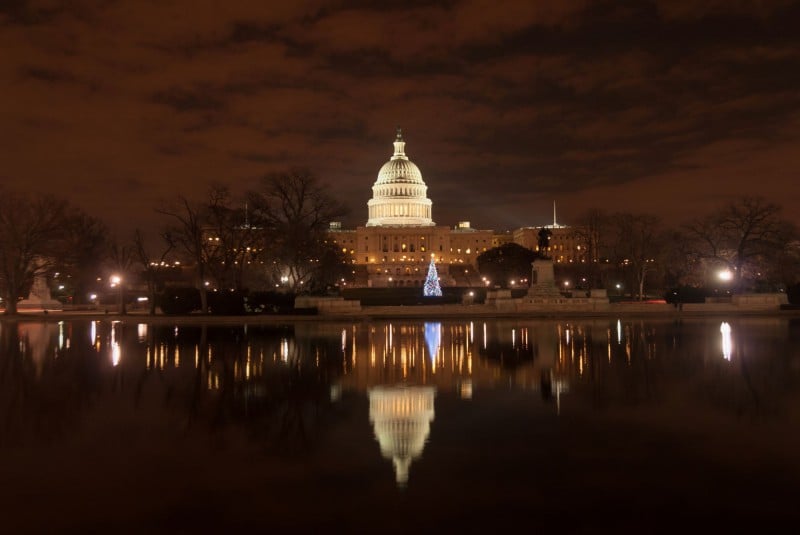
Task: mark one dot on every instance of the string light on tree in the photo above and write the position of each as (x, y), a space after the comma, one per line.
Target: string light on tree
(432, 288)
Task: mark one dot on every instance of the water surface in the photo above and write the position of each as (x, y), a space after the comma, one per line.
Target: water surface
(584, 425)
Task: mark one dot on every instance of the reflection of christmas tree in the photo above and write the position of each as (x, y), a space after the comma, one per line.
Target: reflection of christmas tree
(433, 337)
(432, 288)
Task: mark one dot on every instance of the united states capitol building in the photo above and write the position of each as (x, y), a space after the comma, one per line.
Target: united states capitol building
(395, 246)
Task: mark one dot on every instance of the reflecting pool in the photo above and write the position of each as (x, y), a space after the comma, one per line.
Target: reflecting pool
(579, 425)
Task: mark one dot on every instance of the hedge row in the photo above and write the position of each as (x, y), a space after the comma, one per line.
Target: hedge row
(181, 300)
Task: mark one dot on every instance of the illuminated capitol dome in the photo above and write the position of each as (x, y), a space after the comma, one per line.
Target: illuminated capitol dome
(399, 195)
(400, 238)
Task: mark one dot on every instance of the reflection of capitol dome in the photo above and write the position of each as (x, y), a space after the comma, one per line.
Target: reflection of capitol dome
(399, 195)
(401, 416)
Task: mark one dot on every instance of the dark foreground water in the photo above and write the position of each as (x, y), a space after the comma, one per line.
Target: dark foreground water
(566, 426)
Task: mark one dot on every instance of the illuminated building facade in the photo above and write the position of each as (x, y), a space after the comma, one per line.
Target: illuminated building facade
(565, 245)
(395, 246)
(400, 237)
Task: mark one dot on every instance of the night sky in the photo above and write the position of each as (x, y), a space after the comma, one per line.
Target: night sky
(670, 107)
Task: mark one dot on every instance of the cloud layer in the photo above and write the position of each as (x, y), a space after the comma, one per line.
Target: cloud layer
(668, 107)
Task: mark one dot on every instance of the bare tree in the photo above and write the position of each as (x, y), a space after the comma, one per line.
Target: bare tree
(153, 267)
(592, 233)
(745, 236)
(121, 257)
(188, 234)
(293, 211)
(31, 229)
(235, 240)
(639, 244)
(680, 262)
(82, 253)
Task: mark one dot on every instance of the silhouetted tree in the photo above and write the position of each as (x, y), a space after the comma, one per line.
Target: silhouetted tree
(747, 236)
(592, 233)
(639, 243)
(235, 240)
(32, 227)
(189, 235)
(505, 263)
(121, 258)
(153, 267)
(680, 262)
(292, 212)
(82, 253)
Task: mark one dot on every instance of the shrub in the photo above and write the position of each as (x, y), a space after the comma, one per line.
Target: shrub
(226, 303)
(793, 294)
(268, 303)
(686, 294)
(179, 300)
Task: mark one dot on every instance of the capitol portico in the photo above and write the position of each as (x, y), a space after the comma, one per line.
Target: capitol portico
(395, 246)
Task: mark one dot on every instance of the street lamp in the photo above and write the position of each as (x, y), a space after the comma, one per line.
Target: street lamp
(725, 275)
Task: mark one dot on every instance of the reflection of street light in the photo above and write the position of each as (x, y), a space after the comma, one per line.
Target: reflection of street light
(725, 329)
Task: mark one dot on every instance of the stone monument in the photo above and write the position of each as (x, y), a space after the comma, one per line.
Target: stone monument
(542, 279)
(39, 296)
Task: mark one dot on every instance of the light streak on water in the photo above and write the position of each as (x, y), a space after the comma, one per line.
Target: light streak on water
(725, 329)
(116, 350)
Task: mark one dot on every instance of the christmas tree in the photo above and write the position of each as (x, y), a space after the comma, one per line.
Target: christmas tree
(432, 288)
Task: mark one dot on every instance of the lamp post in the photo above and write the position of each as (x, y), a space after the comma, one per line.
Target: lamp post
(725, 276)
(116, 280)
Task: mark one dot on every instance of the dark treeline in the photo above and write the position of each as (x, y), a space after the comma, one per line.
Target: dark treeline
(275, 239)
(742, 246)
(275, 236)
